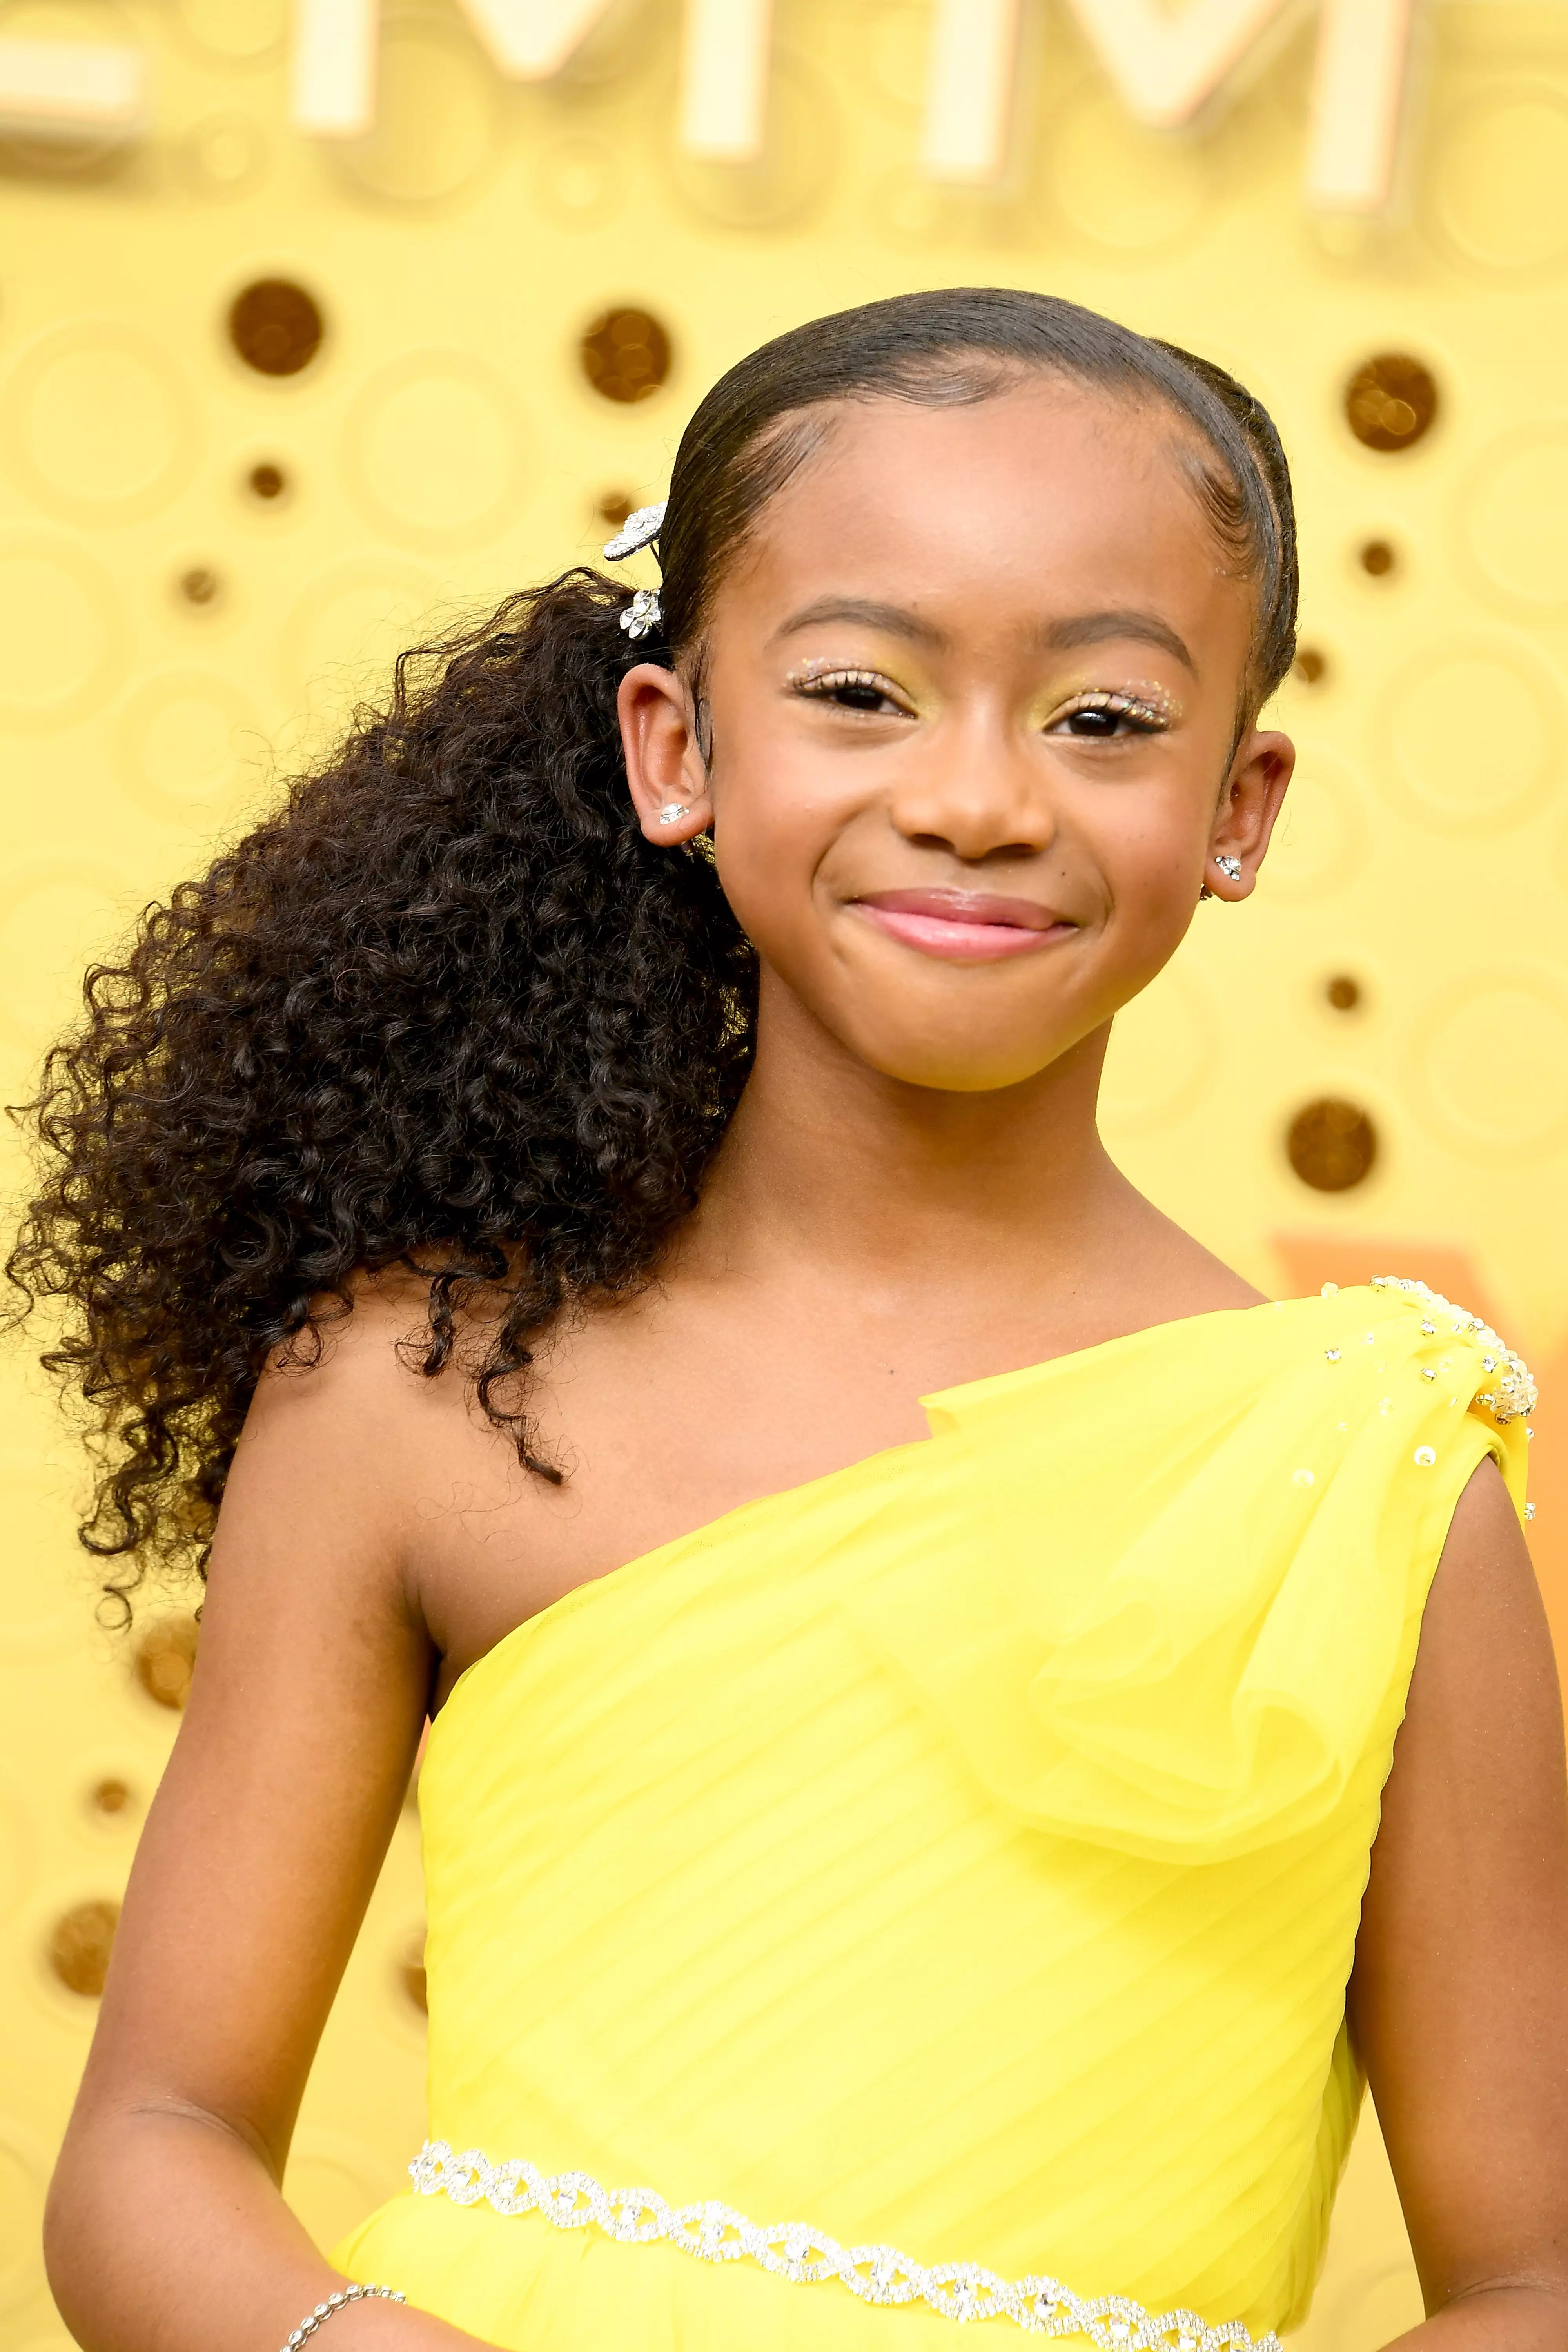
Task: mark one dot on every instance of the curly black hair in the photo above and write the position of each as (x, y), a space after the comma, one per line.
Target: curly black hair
(447, 1010)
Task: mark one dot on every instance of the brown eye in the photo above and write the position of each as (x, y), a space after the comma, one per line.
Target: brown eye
(859, 690)
(1110, 715)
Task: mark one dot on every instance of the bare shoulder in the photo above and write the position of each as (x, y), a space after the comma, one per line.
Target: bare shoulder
(1478, 1762)
(1457, 2002)
(345, 1448)
(374, 1508)
(351, 1390)
(1485, 1620)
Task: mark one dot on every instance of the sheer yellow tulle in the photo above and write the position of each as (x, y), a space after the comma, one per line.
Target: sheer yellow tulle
(961, 1853)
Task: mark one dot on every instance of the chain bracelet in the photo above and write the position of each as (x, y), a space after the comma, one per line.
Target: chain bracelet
(323, 2311)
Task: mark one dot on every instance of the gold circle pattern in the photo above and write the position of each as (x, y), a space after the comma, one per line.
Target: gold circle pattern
(626, 355)
(1438, 742)
(80, 1943)
(98, 423)
(1390, 402)
(438, 129)
(187, 739)
(351, 622)
(1491, 1061)
(1331, 1144)
(276, 326)
(165, 1660)
(433, 449)
(1513, 521)
(61, 634)
(1497, 186)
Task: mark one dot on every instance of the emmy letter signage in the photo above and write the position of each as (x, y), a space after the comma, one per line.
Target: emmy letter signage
(1166, 62)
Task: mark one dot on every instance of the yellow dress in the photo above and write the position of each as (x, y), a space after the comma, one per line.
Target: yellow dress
(930, 1893)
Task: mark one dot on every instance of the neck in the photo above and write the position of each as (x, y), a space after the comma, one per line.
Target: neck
(834, 1174)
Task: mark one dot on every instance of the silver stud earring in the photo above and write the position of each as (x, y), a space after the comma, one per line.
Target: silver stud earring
(672, 812)
(1230, 867)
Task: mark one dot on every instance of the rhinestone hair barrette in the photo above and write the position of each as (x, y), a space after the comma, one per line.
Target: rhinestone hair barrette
(645, 613)
(638, 530)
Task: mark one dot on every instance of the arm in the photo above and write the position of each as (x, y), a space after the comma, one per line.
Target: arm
(1458, 2001)
(166, 2229)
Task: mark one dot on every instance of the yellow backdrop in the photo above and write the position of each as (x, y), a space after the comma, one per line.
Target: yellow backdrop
(213, 531)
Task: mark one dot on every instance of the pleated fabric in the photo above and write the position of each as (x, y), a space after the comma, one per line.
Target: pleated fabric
(961, 1853)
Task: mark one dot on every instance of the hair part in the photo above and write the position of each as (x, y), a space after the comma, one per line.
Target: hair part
(447, 1010)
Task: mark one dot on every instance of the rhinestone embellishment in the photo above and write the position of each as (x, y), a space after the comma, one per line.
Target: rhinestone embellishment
(643, 613)
(1514, 1392)
(638, 530)
(794, 2251)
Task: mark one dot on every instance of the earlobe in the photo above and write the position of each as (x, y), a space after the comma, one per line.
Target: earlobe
(665, 771)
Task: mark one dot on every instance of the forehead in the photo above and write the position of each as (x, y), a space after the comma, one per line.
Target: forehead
(1046, 492)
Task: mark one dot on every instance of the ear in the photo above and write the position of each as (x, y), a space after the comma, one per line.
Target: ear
(1253, 796)
(665, 767)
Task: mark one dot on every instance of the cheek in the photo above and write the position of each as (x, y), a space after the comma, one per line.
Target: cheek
(774, 823)
(1149, 844)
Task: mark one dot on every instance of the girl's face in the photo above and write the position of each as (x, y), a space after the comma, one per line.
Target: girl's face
(971, 695)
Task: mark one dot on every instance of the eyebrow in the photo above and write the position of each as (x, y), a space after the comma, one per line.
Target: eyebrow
(1056, 636)
(1099, 628)
(891, 618)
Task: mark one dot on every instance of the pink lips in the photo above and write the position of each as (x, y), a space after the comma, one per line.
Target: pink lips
(964, 926)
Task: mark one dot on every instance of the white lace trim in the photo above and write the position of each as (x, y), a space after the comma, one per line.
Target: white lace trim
(794, 2250)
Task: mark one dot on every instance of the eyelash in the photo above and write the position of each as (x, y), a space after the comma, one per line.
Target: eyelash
(825, 686)
(1143, 718)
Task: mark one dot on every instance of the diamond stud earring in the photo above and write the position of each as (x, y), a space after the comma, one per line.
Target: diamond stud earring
(1230, 867)
(672, 812)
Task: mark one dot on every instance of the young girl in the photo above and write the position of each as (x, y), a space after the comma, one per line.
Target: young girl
(604, 1189)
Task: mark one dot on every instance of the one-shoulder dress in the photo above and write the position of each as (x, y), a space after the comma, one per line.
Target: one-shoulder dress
(928, 1895)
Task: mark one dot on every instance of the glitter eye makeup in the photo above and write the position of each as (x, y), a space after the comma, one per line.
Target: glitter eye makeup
(850, 688)
(1142, 708)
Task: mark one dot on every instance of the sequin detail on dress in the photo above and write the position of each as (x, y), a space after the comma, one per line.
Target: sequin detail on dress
(794, 2250)
(1515, 1391)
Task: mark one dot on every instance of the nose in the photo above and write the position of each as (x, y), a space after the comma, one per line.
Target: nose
(976, 793)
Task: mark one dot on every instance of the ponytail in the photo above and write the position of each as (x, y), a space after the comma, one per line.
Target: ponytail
(446, 1010)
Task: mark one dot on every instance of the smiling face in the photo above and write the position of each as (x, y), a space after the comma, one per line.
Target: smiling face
(972, 693)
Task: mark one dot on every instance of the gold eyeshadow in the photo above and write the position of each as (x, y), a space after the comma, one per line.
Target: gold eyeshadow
(1142, 705)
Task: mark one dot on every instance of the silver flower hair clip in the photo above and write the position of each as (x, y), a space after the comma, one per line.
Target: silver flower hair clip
(644, 613)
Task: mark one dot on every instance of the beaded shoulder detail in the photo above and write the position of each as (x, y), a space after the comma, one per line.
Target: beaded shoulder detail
(1513, 1393)
(807, 2257)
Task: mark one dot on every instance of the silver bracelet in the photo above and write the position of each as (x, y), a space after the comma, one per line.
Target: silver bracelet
(323, 2311)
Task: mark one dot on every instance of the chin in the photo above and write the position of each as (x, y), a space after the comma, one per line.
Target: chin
(976, 1070)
